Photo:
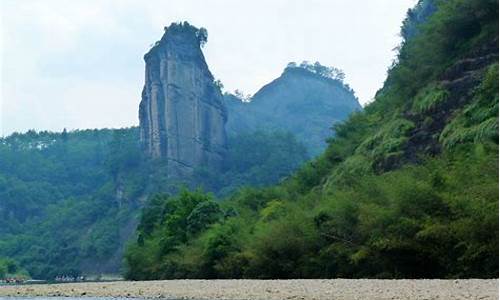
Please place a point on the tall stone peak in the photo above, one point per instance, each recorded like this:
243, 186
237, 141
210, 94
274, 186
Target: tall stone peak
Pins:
182, 113
183, 39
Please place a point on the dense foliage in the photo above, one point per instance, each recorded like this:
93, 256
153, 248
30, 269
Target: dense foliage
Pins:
59, 192
255, 159
319, 69
68, 201
408, 188
11, 269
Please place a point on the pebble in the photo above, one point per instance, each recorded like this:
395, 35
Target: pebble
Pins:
342, 289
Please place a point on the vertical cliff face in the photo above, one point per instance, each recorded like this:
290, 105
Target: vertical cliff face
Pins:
182, 112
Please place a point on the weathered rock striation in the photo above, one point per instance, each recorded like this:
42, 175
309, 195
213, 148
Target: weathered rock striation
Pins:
182, 112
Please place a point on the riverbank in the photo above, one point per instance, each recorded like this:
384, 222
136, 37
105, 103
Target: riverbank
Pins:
339, 289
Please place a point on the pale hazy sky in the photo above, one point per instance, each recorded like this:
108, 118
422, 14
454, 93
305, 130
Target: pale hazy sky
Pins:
78, 64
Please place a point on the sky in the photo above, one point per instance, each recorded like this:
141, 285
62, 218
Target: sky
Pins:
79, 64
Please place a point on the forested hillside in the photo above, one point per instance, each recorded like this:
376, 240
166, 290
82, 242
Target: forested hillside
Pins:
68, 201
307, 99
66, 197
408, 188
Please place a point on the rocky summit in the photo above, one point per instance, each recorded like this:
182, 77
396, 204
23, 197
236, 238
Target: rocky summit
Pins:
182, 113
307, 99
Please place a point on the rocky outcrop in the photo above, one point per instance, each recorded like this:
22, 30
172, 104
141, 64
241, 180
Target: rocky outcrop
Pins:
461, 81
305, 100
182, 113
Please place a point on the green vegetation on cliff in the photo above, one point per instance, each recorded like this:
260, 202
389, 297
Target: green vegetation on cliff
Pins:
407, 188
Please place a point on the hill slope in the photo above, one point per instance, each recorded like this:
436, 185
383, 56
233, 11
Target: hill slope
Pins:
407, 188
69, 201
303, 100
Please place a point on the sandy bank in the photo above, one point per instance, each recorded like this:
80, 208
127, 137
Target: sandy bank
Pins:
341, 289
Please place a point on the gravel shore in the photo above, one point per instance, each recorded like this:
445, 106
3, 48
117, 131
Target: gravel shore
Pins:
338, 289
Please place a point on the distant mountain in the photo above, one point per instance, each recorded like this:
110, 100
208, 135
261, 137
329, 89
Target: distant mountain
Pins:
305, 100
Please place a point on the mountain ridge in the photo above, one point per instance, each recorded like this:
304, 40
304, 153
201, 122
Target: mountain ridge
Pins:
301, 100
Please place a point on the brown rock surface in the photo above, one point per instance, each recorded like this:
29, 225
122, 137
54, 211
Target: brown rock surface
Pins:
182, 113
